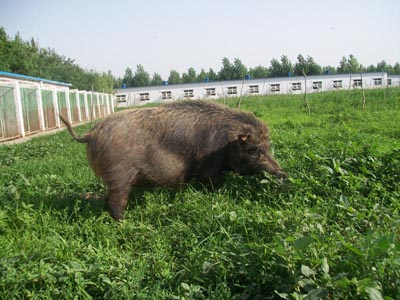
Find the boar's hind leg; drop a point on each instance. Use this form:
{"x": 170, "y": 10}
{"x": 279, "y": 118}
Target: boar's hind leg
{"x": 117, "y": 199}
{"x": 118, "y": 191}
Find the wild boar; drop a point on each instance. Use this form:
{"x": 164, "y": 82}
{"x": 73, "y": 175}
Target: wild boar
{"x": 172, "y": 143}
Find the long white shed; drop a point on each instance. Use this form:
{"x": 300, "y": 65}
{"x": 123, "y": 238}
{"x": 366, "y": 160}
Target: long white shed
{"x": 267, "y": 86}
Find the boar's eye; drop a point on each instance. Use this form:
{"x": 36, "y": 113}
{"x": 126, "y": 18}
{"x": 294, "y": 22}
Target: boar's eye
{"x": 254, "y": 150}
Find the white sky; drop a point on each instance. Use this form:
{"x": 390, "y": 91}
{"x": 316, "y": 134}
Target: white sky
{"x": 176, "y": 34}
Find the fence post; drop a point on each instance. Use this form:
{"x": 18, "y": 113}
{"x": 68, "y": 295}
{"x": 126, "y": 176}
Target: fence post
{"x": 56, "y": 108}
{"x": 112, "y": 102}
{"x": 98, "y": 104}
{"x": 108, "y": 103}
{"x": 40, "y": 106}
{"x": 86, "y": 105}
{"x": 18, "y": 108}
{"x": 69, "y": 114}
{"x": 78, "y": 105}
{"x": 93, "y": 107}
{"x": 103, "y": 103}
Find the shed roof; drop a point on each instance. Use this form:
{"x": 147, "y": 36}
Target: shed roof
{"x": 30, "y": 78}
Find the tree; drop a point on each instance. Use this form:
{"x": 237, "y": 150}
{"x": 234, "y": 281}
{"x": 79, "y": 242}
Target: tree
{"x": 128, "y": 77}
{"x": 329, "y": 70}
{"x": 396, "y": 69}
{"x": 4, "y": 52}
{"x": 141, "y": 77}
{"x": 349, "y": 65}
{"x": 259, "y": 72}
{"x": 226, "y": 72}
{"x": 287, "y": 66}
{"x": 212, "y": 76}
{"x": 382, "y": 66}
{"x": 354, "y": 66}
{"x": 239, "y": 70}
{"x": 300, "y": 65}
{"x": 190, "y": 76}
{"x": 174, "y": 77}
{"x": 156, "y": 79}
{"x": 312, "y": 67}
{"x": 276, "y": 69}
{"x": 25, "y": 57}
{"x": 202, "y": 76}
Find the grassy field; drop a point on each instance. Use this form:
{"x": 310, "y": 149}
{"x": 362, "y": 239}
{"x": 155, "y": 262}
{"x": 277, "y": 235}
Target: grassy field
{"x": 332, "y": 231}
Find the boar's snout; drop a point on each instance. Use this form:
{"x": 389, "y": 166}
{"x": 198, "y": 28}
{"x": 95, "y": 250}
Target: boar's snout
{"x": 281, "y": 175}
{"x": 273, "y": 167}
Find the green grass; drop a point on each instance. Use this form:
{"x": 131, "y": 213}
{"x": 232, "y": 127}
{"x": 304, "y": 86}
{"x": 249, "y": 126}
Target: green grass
{"x": 329, "y": 232}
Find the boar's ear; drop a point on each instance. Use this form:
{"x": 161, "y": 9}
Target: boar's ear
{"x": 246, "y": 132}
{"x": 244, "y": 137}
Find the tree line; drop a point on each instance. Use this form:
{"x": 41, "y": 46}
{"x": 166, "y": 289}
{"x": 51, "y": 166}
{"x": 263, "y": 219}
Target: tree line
{"x": 26, "y": 57}
{"x": 236, "y": 70}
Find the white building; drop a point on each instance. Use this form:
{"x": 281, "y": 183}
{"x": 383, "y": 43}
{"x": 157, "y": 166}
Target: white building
{"x": 267, "y": 86}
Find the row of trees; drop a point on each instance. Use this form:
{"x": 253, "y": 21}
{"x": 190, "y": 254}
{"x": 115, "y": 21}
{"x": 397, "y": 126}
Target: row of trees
{"x": 236, "y": 70}
{"x": 25, "y": 57}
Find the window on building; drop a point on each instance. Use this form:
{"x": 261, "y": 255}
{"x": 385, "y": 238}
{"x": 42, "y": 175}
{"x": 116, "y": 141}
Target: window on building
{"x": 253, "y": 89}
{"x": 337, "y": 84}
{"x": 210, "y": 91}
{"x": 232, "y": 90}
{"x": 296, "y": 86}
{"x": 166, "y": 95}
{"x": 275, "y": 87}
{"x": 121, "y": 98}
{"x": 188, "y": 93}
{"x": 389, "y": 81}
{"x": 144, "y": 96}
{"x": 377, "y": 81}
{"x": 357, "y": 82}
{"x": 317, "y": 85}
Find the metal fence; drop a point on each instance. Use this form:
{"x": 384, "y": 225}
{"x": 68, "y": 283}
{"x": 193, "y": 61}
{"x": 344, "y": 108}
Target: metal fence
{"x": 31, "y": 106}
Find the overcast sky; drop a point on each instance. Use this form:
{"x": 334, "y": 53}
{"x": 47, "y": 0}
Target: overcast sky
{"x": 176, "y": 34}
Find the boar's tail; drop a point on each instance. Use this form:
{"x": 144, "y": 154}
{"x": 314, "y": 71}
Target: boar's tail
{"x": 80, "y": 139}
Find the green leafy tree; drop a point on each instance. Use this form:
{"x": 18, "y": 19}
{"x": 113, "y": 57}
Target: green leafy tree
{"x": 348, "y": 65}
{"x": 4, "y": 51}
{"x": 212, "y": 76}
{"x": 174, "y": 77}
{"x": 396, "y": 69}
{"x": 329, "y": 70}
{"x": 226, "y": 72}
{"x": 141, "y": 77}
{"x": 25, "y": 57}
{"x": 259, "y": 72}
{"x": 190, "y": 76}
{"x": 239, "y": 70}
{"x": 300, "y": 65}
{"x": 275, "y": 69}
{"x": 354, "y": 66}
{"x": 128, "y": 77}
{"x": 156, "y": 80}
{"x": 312, "y": 67}
{"x": 287, "y": 66}
{"x": 371, "y": 68}
{"x": 382, "y": 66}
{"x": 308, "y": 65}
{"x": 202, "y": 76}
